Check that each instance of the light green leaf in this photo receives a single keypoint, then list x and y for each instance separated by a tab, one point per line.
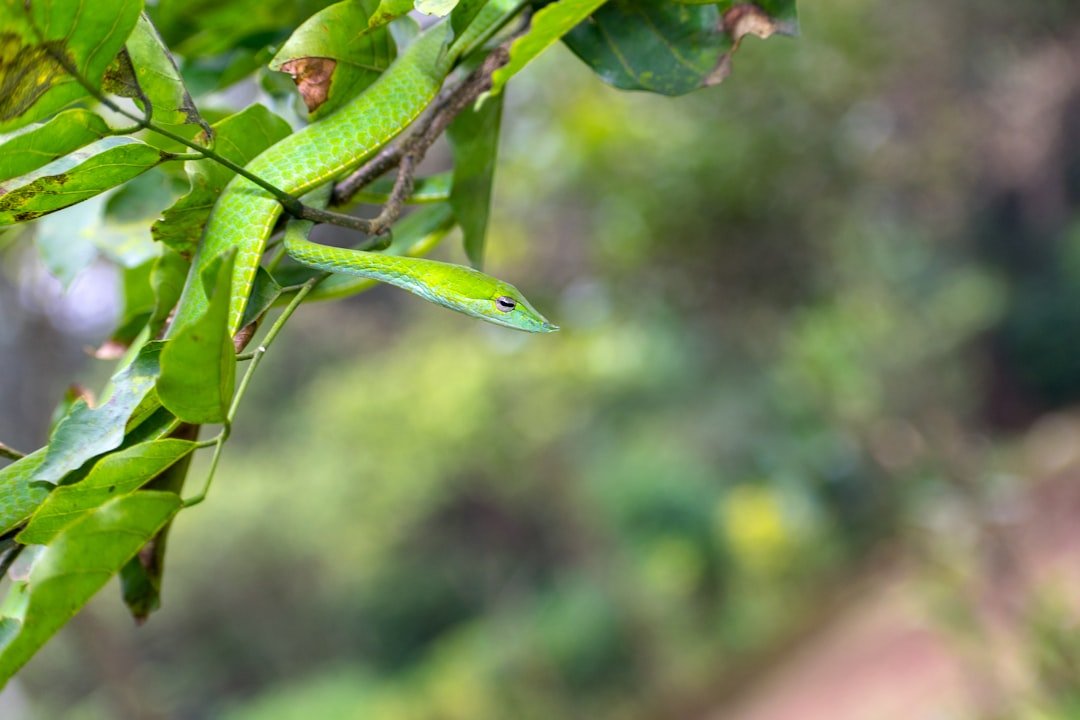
116	474
239	138
388	10
167	282
87	432
74	567
673	48
39	37
335	54
548	25
64	240
73	178
18	494
138	304
39	145
474	137
198	365
438	8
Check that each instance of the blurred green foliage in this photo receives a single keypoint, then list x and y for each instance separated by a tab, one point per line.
774	295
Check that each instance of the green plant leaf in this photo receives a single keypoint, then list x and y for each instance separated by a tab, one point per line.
39	145
78	176
474	137
167	282
38	38
116	474
78	563
86	432
138	298
463	15
672	48
159	81
239	138
334	55
438	8
548	25
426	190
18	493
198	365
66	253
264	291
388	10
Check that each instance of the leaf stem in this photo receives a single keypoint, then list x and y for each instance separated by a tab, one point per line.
256	357
10	453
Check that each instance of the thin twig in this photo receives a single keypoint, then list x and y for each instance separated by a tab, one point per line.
10	453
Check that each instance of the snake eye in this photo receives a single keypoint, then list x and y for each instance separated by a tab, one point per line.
505	303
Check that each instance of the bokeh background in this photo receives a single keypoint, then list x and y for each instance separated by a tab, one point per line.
804	448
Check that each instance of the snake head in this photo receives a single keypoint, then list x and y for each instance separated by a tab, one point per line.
503	304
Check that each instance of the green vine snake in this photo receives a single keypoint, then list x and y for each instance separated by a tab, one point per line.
320	153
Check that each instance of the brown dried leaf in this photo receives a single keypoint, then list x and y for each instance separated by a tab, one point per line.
312	76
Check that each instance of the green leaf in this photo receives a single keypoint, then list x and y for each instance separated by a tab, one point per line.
198	365
65	252
38	38
87	432
672	48
548	25
239	138
388	10
159	81
38	145
18	493
167	282
333	56
438	8
138	304
116	474
264	291
75	566
474	137
73	178
426	190
463	15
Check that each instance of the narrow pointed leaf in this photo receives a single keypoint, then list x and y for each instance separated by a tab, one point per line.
474	137
239	138
18	493
333	56
73	178
198	365
78	563
38	145
87	432
116	474
548	25
38	38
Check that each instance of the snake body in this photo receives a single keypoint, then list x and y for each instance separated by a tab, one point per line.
245	213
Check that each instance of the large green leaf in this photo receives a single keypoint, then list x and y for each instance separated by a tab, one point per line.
333	56
38	38
39	145
547	26
198	364
672	48
78	563
78	176
474	137
86	432
18	493
116	474
239	138
159	81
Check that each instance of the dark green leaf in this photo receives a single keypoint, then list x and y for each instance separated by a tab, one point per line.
426	190
77	564
198	365
387	10
80	175
672	48
264	291
160	83
38	38
18	494
333	56
138	304
167	282
116	474
39	145
87	432
463	15
474	137
548	25
239	138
